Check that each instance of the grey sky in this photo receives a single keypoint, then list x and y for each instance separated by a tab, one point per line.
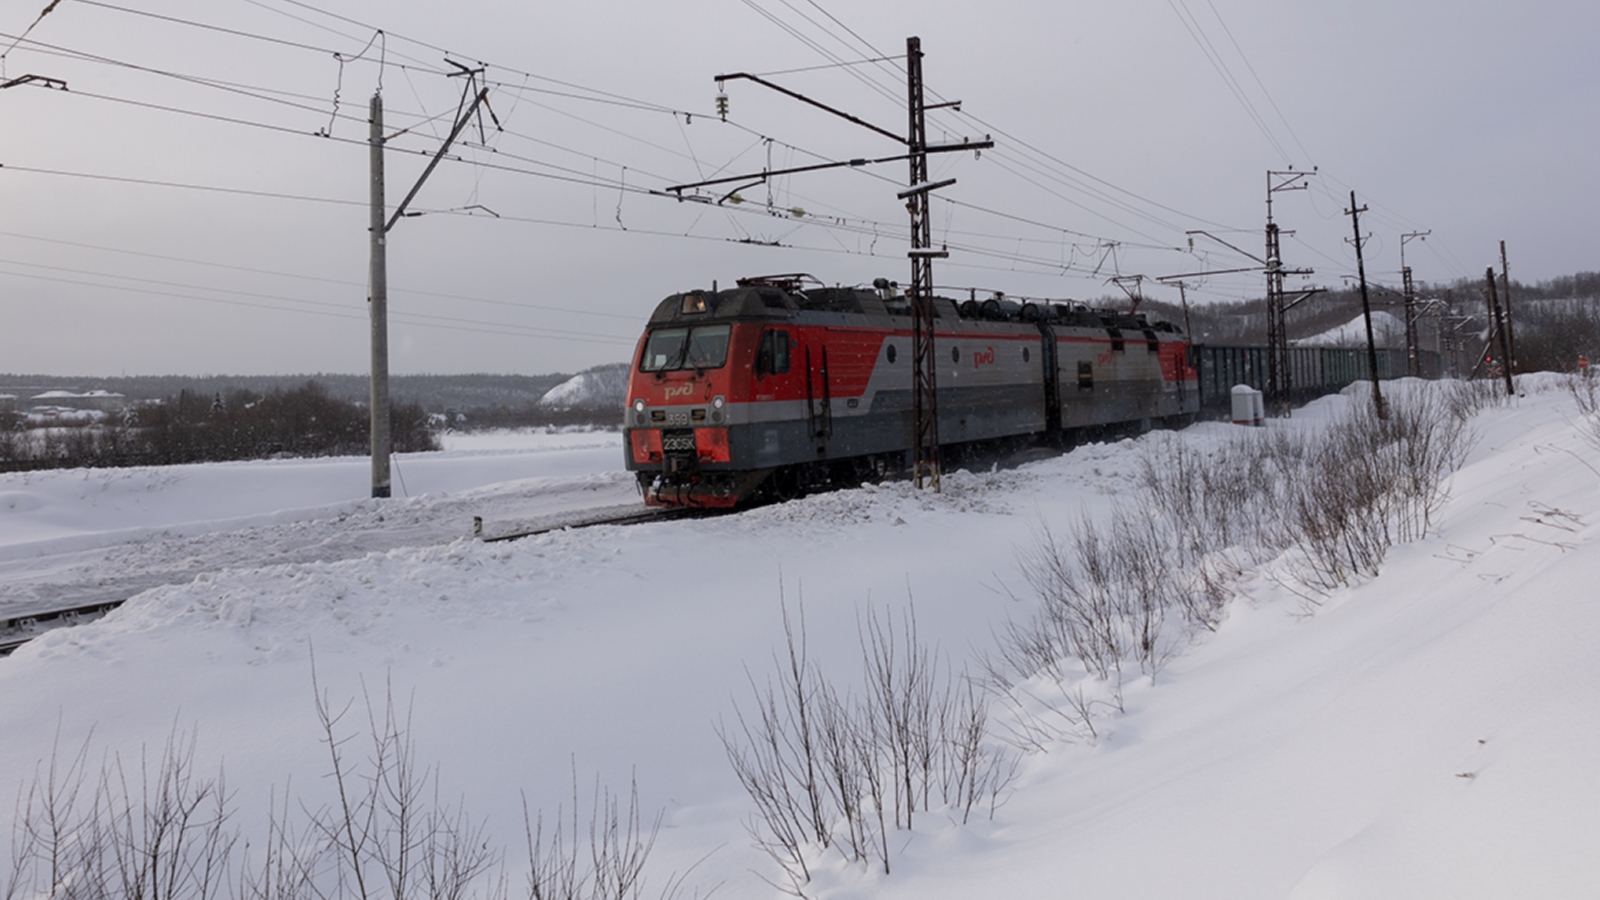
1475	120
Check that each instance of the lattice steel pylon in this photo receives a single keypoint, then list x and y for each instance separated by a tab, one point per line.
925	387
1413	357
1280	382
1278	379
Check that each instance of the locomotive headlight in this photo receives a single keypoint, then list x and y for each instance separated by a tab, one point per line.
638	405
717	402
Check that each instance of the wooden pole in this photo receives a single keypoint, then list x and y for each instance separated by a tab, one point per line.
1499	328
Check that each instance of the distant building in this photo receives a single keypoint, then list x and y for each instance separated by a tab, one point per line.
8	403
105	401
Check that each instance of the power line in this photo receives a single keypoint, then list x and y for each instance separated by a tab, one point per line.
1197	32
997	154
577	176
587	179
321	308
152	182
314	278
282	42
1259	83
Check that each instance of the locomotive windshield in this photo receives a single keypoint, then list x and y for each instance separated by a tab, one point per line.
703	347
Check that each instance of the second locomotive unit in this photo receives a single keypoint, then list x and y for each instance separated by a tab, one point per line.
779	384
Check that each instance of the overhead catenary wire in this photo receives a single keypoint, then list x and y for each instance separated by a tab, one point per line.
1038	157
1196	31
1045	264
320	308
301	276
1040	265
862	227
193	112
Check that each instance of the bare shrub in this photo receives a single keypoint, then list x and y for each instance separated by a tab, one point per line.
828	768
1128	591
1465	398
1585	390
1372	483
155	828
610	866
1108	596
386	833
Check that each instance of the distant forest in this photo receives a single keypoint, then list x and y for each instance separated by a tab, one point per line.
170	419
436	393
466	401
241	424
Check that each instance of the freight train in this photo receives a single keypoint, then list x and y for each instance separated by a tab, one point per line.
781	385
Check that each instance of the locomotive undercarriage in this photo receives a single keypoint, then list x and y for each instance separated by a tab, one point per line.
683	482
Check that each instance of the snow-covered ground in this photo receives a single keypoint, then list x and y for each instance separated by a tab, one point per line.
80	536
1428	733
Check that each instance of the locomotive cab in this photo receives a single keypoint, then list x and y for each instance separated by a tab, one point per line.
699	355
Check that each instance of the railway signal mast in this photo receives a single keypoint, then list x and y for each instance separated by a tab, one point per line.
1412	356
925	402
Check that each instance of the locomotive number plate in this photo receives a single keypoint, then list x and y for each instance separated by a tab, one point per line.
677	418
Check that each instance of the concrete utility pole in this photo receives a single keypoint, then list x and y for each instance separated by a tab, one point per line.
378	307
1354	213
378	271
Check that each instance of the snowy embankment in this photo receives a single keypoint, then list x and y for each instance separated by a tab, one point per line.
1425	733
75	537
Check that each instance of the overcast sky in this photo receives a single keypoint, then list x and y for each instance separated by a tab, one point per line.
176	211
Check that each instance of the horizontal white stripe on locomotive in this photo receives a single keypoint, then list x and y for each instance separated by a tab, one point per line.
996	359
962	398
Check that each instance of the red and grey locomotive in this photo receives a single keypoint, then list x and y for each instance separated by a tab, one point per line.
778	384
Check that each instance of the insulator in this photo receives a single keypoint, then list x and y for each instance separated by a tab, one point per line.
722	104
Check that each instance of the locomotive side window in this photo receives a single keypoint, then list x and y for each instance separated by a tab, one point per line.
773	356
705	347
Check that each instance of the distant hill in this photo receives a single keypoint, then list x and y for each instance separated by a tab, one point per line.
599	387
1388	330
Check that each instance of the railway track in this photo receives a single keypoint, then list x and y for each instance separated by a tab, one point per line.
24	622
631	516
